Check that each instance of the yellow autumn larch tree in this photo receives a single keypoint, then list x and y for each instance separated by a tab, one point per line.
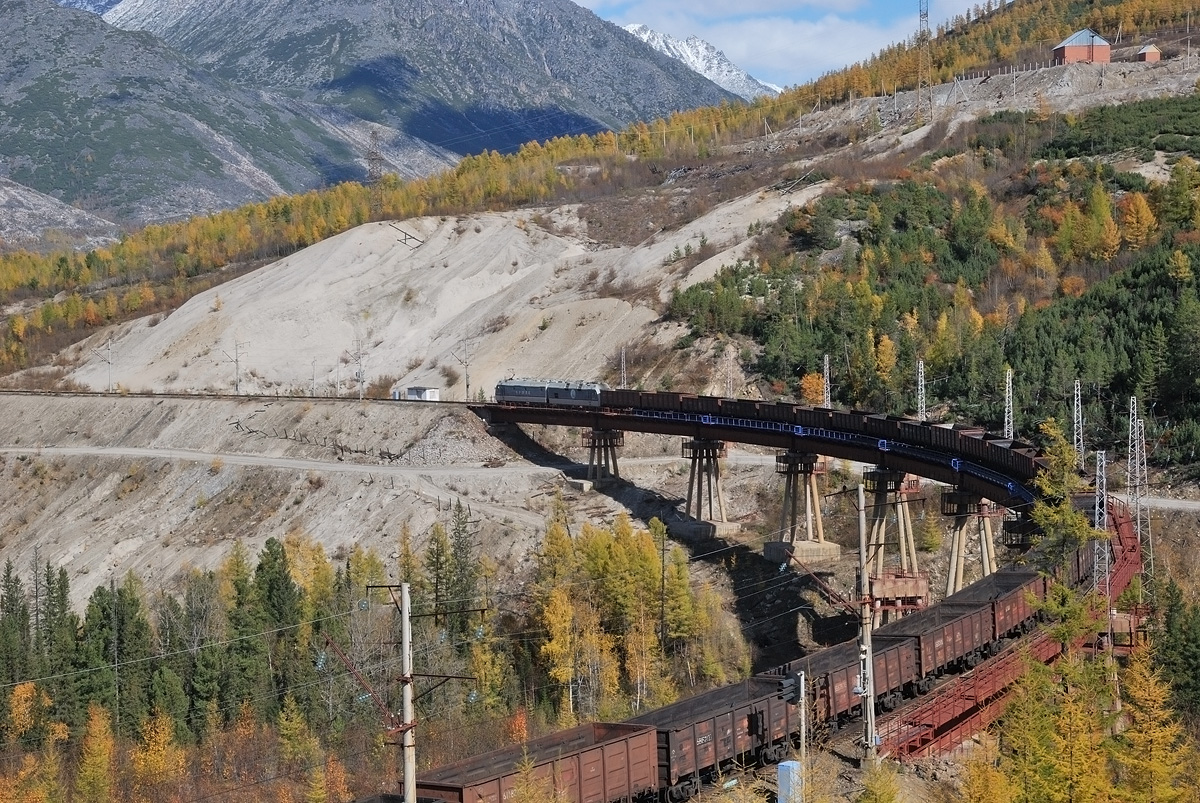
1153	749
94	778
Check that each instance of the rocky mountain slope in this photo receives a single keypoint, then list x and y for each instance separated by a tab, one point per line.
525	293
94	6
121	125
468	76
706	59
28	215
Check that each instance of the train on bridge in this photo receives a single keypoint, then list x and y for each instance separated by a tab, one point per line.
1002	463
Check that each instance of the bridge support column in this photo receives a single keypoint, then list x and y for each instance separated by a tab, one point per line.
602	445
705	476
794	465
967	509
896	591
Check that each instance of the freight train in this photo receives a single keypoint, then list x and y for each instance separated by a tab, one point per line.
999	461
667	755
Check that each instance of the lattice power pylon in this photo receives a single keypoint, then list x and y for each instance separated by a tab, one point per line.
1138	480
827	393
375	174
924	65
1102	558
1078	425
921	412
1009	428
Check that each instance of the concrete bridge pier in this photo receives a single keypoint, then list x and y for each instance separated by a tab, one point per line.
894	590
793	465
602	445
705	456
966	509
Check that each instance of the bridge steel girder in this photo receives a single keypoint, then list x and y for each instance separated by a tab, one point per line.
933	468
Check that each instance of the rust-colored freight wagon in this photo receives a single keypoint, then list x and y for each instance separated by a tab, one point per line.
709	731
620	398
835	673
1013	595
741	408
594	763
709	405
950	636
779	411
661	401
815	417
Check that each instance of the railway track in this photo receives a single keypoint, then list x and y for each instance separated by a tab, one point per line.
228	397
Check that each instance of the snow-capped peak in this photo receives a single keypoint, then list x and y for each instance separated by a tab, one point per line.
704	58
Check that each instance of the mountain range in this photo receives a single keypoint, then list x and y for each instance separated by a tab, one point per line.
703	57
468	75
167	108
121	125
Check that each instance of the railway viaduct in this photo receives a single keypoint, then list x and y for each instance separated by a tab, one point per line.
964	705
845	439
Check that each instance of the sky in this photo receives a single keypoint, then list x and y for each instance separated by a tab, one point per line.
784	42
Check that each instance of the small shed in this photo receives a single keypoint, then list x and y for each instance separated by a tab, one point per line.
1083	46
416	393
1149	53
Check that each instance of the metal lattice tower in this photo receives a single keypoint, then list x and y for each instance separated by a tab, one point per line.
1101	562
1078	425
1008	404
729	373
827	402
924	64
921	390
375	174
624	376
1137	478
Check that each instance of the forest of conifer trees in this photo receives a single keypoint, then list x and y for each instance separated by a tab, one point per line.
228	686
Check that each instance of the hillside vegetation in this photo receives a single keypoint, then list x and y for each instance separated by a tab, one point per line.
234	687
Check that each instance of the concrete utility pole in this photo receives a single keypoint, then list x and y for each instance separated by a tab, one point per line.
466	373
408	740
803	737
108	359
866	688
236	359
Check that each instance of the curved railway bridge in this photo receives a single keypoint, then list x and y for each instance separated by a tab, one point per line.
969	458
